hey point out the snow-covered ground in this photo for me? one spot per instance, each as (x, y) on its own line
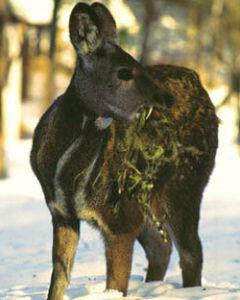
(26, 238)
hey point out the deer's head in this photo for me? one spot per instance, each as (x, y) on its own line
(108, 80)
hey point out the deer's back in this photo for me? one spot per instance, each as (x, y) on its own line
(193, 112)
(181, 182)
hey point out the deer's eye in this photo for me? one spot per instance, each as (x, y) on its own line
(125, 74)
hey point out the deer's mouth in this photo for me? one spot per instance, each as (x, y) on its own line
(120, 114)
(153, 113)
(116, 113)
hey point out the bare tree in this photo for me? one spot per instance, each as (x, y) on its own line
(52, 51)
(3, 70)
(152, 12)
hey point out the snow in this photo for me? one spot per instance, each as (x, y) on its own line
(26, 238)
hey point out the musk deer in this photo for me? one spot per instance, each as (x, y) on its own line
(128, 149)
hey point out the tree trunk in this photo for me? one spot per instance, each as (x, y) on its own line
(3, 168)
(52, 50)
(152, 12)
(11, 93)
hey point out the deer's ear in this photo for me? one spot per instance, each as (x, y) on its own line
(107, 22)
(84, 28)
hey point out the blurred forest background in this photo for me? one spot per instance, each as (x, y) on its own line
(37, 60)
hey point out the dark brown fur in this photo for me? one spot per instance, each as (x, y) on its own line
(176, 197)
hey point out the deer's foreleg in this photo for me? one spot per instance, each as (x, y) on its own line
(65, 240)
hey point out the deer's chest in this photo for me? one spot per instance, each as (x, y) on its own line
(75, 173)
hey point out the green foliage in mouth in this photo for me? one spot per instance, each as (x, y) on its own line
(152, 144)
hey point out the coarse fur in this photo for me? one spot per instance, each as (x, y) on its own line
(77, 164)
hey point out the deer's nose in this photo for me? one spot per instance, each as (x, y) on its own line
(158, 99)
